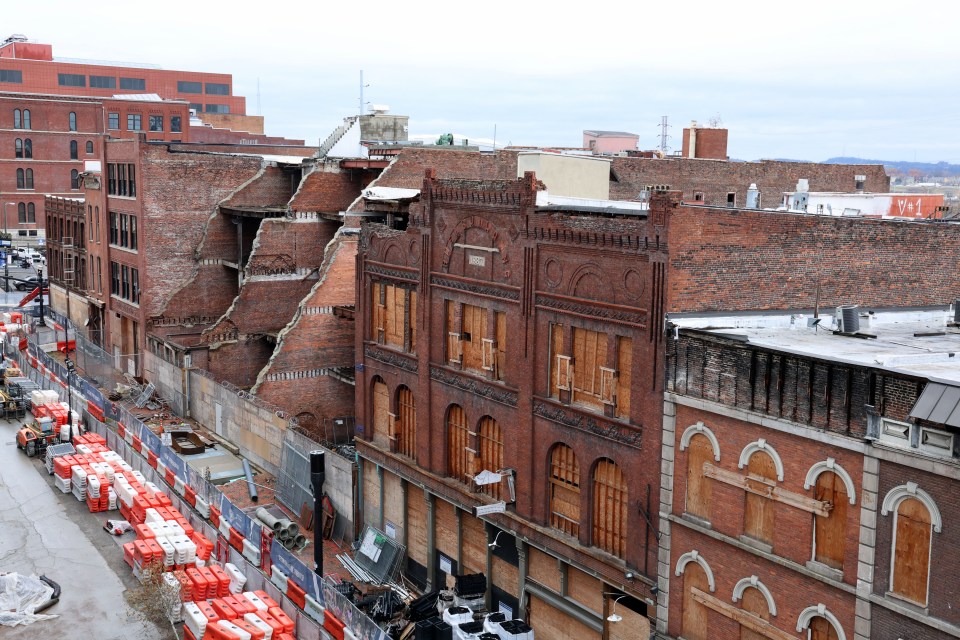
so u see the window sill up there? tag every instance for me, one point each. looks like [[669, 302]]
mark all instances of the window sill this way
[[904, 602], [825, 570], [756, 544], [697, 520]]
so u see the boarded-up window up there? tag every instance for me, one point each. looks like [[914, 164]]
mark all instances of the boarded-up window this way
[[694, 625], [565, 490], [396, 312], [830, 532], [381, 413], [911, 554], [500, 364], [491, 453], [559, 362], [758, 511], [699, 487], [755, 604], [459, 452], [821, 629], [609, 508], [378, 303], [406, 423], [473, 331], [624, 368], [454, 352], [589, 357]]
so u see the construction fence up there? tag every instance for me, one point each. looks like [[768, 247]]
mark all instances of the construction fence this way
[[121, 429]]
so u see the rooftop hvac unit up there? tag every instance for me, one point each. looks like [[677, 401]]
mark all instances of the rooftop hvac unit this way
[[848, 318]]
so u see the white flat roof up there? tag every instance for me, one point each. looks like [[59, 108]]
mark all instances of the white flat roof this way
[[909, 341]]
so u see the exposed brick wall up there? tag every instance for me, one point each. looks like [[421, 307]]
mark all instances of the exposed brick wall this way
[[234, 147], [287, 246], [944, 564], [329, 189], [272, 188], [239, 362], [710, 143], [715, 179], [317, 339], [739, 260]]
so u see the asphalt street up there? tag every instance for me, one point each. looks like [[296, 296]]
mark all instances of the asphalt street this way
[[44, 531]]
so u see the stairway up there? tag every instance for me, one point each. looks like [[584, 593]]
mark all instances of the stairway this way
[[335, 137]]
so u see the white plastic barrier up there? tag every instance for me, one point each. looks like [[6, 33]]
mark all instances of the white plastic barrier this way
[[234, 629], [279, 578], [194, 619], [251, 552], [260, 624], [314, 609]]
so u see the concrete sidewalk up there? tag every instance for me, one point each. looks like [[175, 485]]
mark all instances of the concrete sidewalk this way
[[47, 532]]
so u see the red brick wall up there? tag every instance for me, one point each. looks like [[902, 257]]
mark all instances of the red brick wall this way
[[272, 188], [711, 144], [738, 260], [328, 189]]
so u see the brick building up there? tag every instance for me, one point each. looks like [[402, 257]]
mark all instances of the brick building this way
[[792, 452]]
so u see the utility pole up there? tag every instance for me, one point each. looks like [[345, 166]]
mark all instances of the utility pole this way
[[317, 476]]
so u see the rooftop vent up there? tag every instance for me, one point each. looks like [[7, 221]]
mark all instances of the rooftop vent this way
[[848, 318]]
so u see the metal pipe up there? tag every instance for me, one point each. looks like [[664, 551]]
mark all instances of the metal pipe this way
[[251, 487], [317, 476]]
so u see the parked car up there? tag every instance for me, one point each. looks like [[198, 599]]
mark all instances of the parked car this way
[[28, 284]]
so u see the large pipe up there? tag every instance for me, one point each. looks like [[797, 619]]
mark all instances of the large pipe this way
[[252, 488], [270, 520]]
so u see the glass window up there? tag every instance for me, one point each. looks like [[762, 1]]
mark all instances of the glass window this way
[[135, 286], [73, 121], [132, 188], [22, 213], [18, 148], [21, 182], [113, 121], [74, 179], [103, 82], [133, 84], [89, 146], [114, 227], [133, 232], [112, 179], [11, 75], [26, 118], [134, 122], [189, 87], [71, 80], [28, 148], [124, 231], [114, 278], [73, 149], [175, 125], [215, 89], [31, 213], [17, 122], [29, 180], [218, 108], [156, 123], [196, 108], [125, 280]]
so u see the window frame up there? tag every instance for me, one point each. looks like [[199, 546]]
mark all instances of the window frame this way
[[113, 120], [72, 120], [134, 122]]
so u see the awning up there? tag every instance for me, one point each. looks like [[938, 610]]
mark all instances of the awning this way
[[938, 403]]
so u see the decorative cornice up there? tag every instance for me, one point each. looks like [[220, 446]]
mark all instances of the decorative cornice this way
[[386, 356], [396, 274], [474, 386], [575, 420], [482, 289], [622, 315]]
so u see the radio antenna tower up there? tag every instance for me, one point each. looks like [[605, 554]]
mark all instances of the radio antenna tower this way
[[664, 136]]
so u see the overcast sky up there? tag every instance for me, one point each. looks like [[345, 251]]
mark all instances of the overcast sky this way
[[789, 80]]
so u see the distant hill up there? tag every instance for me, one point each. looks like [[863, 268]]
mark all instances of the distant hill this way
[[938, 169]]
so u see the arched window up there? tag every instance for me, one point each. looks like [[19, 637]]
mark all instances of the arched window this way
[[459, 454], [18, 148], [22, 213], [820, 623], [564, 490], [74, 179], [694, 618], [89, 146], [17, 122], [758, 513], [491, 452], [28, 148], [21, 183], [31, 213], [829, 533], [911, 553], [26, 118], [755, 604], [406, 423], [29, 179], [381, 412], [73, 121], [609, 508], [699, 487], [73, 150]]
